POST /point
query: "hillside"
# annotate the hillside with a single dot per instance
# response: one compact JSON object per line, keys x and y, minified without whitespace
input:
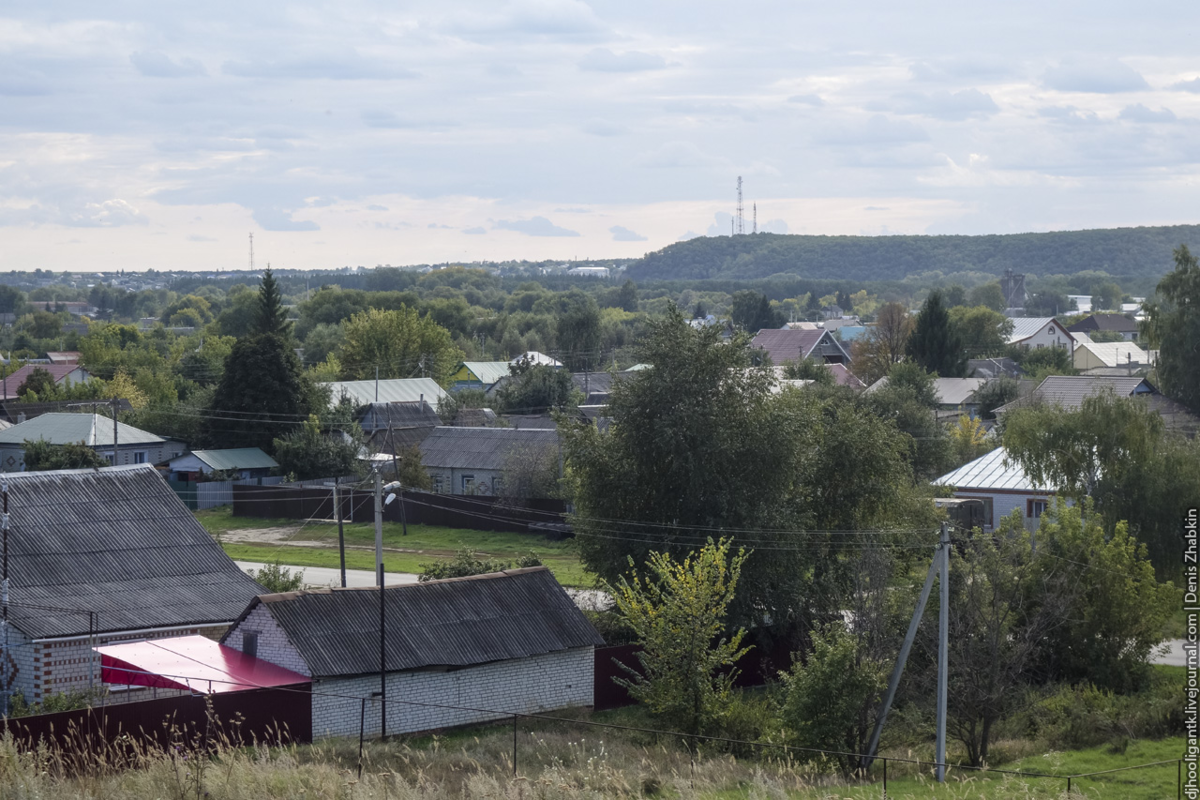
{"x":1132,"y":253}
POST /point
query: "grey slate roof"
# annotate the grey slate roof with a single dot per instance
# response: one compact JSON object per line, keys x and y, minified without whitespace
{"x":1069,"y":391}
{"x":392,"y":390}
{"x":1105,"y":322}
{"x":482,"y":448}
{"x":796,"y":345}
{"x":989,"y":472}
{"x":458,"y":622}
{"x":119,"y":542}
{"x":13,"y":410}
{"x":401,"y":416}
{"x":91,"y":429}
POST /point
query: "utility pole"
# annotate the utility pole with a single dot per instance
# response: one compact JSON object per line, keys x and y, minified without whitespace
{"x":5,"y":672}
{"x":376,"y":383}
{"x":114,"y":408}
{"x":382,"y":605}
{"x":337,"y":510}
{"x":943,"y":647}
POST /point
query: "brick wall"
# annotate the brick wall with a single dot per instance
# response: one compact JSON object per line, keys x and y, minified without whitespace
{"x":539,"y":683}
{"x":273,"y":643}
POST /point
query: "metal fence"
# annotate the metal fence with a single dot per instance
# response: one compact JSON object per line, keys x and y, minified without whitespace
{"x":202,"y":495}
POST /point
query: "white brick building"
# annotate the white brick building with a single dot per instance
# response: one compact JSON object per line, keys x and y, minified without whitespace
{"x":1003,"y":488}
{"x":104,"y":556}
{"x":459,"y":651}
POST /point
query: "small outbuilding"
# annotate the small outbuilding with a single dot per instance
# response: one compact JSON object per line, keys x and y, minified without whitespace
{"x":456,"y":652}
{"x":478,"y":461}
{"x":245,"y":462}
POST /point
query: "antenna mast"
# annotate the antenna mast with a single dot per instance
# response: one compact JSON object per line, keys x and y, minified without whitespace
{"x":756,"y":218}
{"x":741,"y":212}
{"x":252,"y":251}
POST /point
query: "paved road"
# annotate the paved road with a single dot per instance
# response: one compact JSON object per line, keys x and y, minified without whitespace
{"x":588,"y":599}
{"x":1174,"y":657}
{"x":331,"y":576}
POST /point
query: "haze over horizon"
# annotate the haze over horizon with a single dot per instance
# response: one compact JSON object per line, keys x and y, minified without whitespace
{"x":136,"y":136}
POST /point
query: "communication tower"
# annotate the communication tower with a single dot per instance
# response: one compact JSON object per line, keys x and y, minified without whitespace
{"x":741,"y":213}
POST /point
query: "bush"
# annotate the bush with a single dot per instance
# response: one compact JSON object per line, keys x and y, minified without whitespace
{"x":467,"y":562}
{"x":53,"y":703}
{"x":1075,"y":717}
{"x":276,"y":578}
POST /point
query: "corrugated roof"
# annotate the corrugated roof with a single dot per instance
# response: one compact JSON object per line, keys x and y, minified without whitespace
{"x":1116,"y":354}
{"x":593,"y":382}
{"x":452,"y":623}
{"x":534,"y":357}
{"x":235,"y":458}
{"x":844,"y":377}
{"x":488,"y":372}
{"x":14,"y":380}
{"x":392,"y":390}
{"x":116,"y":541}
{"x":787,"y":345}
{"x":12,"y":410}
{"x":1105,"y":322}
{"x":1024,"y":327}
{"x":91,"y":429}
{"x":990,"y":471}
{"x":482,"y":448}
{"x":400,"y":416}
{"x":1069,"y":391}
{"x":956,"y":391}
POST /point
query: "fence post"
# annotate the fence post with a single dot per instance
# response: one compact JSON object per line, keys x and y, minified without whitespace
{"x":885,"y":779}
{"x":1068,"y":786}
{"x":362,"y":717}
{"x":514,"y":745}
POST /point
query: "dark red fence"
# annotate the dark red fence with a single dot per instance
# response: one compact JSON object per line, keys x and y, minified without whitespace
{"x":451,"y":511}
{"x":276,"y":715}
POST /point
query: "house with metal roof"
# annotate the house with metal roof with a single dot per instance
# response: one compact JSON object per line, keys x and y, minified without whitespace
{"x":789,"y":345}
{"x":1127,"y":327}
{"x":1091,"y":355}
{"x":478,"y":375}
{"x":133,"y":445}
{"x":103,"y":556}
{"x":1002,"y":486}
{"x":63,"y":375}
{"x":1069,"y":391}
{"x":1035,"y":333}
{"x":389,"y":390}
{"x":954,"y":395}
{"x":394,"y":427}
{"x":479,"y":461}
{"x":246,"y":462}
{"x":455,"y":652}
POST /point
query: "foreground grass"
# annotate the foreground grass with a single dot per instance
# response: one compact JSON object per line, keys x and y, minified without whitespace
{"x":423,"y":544}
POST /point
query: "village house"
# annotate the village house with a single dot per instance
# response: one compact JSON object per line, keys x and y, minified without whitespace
{"x":388,"y":390}
{"x":1110,"y":323}
{"x":478,"y":461}
{"x":133,"y":445}
{"x":1002,"y":486}
{"x":457,"y":652}
{"x":102,"y":556}
{"x":478,"y":375}
{"x":242,"y":462}
{"x":1034,"y":333}
{"x":955,"y":396}
{"x":1092,"y":356}
{"x":394,"y":427}
{"x":788,"y":345}
{"x":64,"y":375}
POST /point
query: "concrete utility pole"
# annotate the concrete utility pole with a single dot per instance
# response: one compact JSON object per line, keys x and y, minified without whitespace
{"x":5,"y":672}
{"x":114,"y":408}
{"x":382,"y":604}
{"x":337,"y":511}
{"x":943,"y":647}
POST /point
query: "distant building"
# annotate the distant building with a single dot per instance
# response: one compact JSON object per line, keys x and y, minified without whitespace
{"x":1108,"y":323}
{"x":244,"y":462}
{"x":594,"y":272}
{"x":477,"y":461}
{"x":1034,"y":333}
{"x":389,"y":390}
{"x":63,"y":375}
{"x":1012,"y":286}
{"x":785,"y":346}
{"x":135,"y":446}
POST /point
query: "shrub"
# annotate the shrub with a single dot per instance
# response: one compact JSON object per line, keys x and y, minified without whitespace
{"x":276,"y":578}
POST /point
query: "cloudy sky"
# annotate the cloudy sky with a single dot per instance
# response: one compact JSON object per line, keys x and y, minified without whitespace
{"x":137,"y":134}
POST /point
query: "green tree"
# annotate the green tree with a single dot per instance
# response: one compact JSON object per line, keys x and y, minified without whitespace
{"x":884,"y":343}
{"x":40,"y":455}
{"x":535,"y":388}
{"x":955,"y":296}
{"x":578,"y":333}
{"x":40,"y":384}
{"x":467,"y":562}
{"x":752,"y":312}
{"x":1048,"y":303}
{"x":989,"y":295}
{"x":627,"y":296}
{"x":831,"y":694}
{"x":678,"y":613}
{"x":276,"y":578}
{"x":809,"y":369}
{"x":11,"y":299}
{"x":1173,"y":326}
{"x":400,"y":343}
{"x":909,"y":401}
{"x":261,"y":396}
{"x":995,"y":393}
{"x":310,"y":452}
{"x":1107,"y":296}
{"x":935,"y":344}
{"x":983,"y":332}
{"x":272,"y":316}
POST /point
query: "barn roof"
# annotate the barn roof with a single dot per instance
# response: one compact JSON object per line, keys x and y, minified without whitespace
{"x":458,"y":622}
{"x":118,"y":542}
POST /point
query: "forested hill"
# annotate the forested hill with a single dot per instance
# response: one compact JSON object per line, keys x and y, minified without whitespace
{"x":1121,"y":252}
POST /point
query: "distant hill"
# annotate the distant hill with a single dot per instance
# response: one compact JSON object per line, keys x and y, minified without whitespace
{"x":1131,"y":253}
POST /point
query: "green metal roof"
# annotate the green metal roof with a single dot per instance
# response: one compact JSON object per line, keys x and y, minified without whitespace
{"x":91,"y":429}
{"x":235,"y":458}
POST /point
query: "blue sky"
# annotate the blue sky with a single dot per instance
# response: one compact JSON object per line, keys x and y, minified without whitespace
{"x":138,"y":135}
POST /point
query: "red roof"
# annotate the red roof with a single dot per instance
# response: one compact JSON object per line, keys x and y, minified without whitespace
{"x":845,"y":377}
{"x":13,"y":381}
{"x":191,"y":663}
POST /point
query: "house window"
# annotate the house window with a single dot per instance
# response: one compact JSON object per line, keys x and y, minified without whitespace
{"x":498,"y":485}
{"x":139,"y":457}
{"x":1050,"y":330}
{"x":1035,"y":508}
{"x":250,"y":643}
{"x":468,"y":484}
{"x":1040,"y":346}
{"x":437,"y":484}
{"x":108,"y":457}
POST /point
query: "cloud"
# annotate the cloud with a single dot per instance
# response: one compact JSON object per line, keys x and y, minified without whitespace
{"x":961,"y":68}
{"x":1069,"y":115}
{"x":159,"y":65}
{"x":346,"y":65}
{"x":1139,"y":113}
{"x":774,"y":226}
{"x":602,"y":59}
{"x":535,"y":226}
{"x":625,"y":235}
{"x":433,"y":226}
{"x":688,"y":236}
{"x":722,"y":226}
{"x":275,"y":219}
{"x":678,"y":154}
{"x":946,"y":105}
{"x":475,"y":231}
{"x":195,"y":238}
{"x":382,"y":118}
{"x":878,"y":130}
{"x":572,"y":211}
{"x":571,"y":20}
{"x":1096,"y":76}
{"x":1187,"y":86}
{"x":376,"y":207}
{"x":602,"y":127}
{"x":807,"y":100}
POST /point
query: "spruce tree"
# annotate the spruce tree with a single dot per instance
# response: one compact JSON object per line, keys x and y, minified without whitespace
{"x":272,"y":316}
{"x":935,"y":344}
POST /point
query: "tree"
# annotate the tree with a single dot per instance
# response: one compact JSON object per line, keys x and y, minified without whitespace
{"x":1107,"y":296}
{"x":909,"y":401}
{"x":627,"y":296}
{"x":535,"y":388}
{"x":677,"y":613}
{"x":11,"y":299}
{"x":578,"y":333}
{"x":830,"y":694}
{"x":883,"y":344}
{"x":968,"y":439}
{"x":277,"y":579}
{"x":40,"y":384}
{"x":311,"y":452}
{"x":40,"y":455}
{"x":261,"y":396}
{"x":1048,"y":303}
{"x":752,"y":312}
{"x":1173,"y":325}
{"x":995,"y":393}
{"x":809,"y":369}
{"x":983,"y":332}
{"x":955,"y":296}
{"x":989,"y":295}
{"x":467,"y":562}
{"x":272,"y":316}
{"x":400,"y":343}
{"x":935,"y":343}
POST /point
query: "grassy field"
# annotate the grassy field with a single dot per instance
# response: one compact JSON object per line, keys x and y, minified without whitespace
{"x":422,"y":545}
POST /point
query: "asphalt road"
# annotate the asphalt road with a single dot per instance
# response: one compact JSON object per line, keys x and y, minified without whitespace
{"x":327,"y":576}
{"x":1173,"y":657}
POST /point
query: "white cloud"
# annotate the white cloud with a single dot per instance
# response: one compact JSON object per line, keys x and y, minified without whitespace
{"x":159,"y":65}
{"x":1096,"y":75}
{"x":946,"y":105}
{"x":807,"y":100}
{"x":677,"y":155}
{"x":625,"y":235}
{"x":535,"y":226}
{"x":1192,"y":86}
{"x":774,"y":226}
{"x":1139,"y":113}
{"x":601,"y":59}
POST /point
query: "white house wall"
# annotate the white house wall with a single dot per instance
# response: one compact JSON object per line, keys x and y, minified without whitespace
{"x":529,"y":685}
{"x":1049,"y":335}
{"x":273,"y":643}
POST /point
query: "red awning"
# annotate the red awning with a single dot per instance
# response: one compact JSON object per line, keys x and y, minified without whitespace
{"x":191,"y":663}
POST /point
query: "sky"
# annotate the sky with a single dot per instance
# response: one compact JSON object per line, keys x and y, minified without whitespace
{"x":137,"y":135}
